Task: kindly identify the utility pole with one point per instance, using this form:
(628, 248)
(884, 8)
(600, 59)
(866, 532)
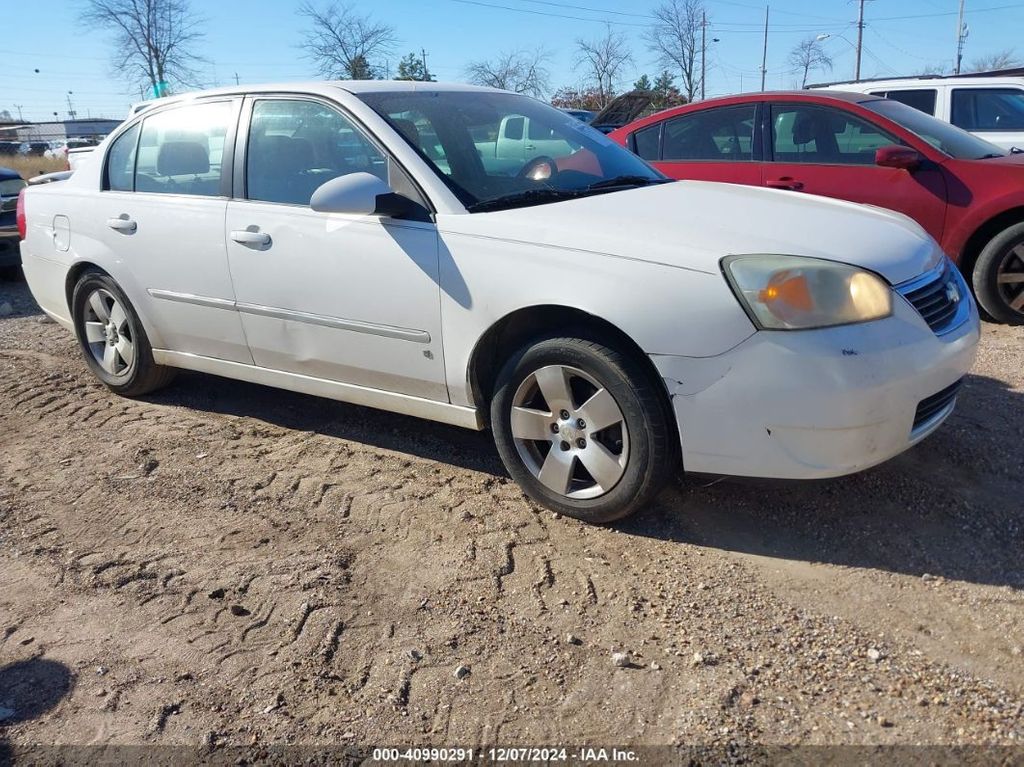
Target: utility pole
(236, 78)
(764, 54)
(703, 49)
(960, 38)
(71, 107)
(860, 39)
(18, 107)
(423, 53)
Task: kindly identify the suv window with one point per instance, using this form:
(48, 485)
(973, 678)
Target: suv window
(647, 142)
(180, 150)
(725, 134)
(295, 146)
(813, 134)
(988, 109)
(514, 128)
(121, 161)
(922, 100)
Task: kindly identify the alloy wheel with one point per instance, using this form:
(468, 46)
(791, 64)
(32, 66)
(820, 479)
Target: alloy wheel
(570, 432)
(108, 333)
(1010, 278)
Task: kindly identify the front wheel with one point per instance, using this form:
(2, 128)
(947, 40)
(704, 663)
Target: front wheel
(583, 428)
(998, 277)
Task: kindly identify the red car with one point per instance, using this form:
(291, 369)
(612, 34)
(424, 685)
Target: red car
(968, 194)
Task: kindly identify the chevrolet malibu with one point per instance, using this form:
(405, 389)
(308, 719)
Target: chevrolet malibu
(476, 257)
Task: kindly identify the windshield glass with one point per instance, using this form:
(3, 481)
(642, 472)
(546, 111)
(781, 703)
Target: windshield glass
(498, 150)
(958, 144)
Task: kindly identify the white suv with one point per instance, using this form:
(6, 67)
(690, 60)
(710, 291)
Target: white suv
(989, 106)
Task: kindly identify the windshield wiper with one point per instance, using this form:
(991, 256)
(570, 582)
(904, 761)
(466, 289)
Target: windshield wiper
(990, 155)
(522, 199)
(617, 181)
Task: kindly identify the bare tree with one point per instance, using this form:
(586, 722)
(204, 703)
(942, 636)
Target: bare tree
(999, 60)
(519, 71)
(807, 56)
(675, 39)
(603, 58)
(344, 44)
(153, 39)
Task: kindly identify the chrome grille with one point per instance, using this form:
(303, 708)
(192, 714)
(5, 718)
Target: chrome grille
(931, 406)
(939, 297)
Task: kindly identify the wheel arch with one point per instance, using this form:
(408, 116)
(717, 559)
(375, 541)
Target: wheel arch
(983, 234)
(518, 327)
(75, 274)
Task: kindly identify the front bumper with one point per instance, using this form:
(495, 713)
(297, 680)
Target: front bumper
(817, 403)
(10, 253)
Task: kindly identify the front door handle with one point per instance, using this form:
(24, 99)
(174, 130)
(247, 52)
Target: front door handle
(245, 237)
(122, 224)
(785, 182)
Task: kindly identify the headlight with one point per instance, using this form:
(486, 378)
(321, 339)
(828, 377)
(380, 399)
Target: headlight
(793, 293)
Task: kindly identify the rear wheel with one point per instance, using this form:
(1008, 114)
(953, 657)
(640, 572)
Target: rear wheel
(998, 277)
(112, 339)
(583, 428)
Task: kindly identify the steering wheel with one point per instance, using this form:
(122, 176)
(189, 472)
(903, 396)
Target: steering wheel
(540, 168)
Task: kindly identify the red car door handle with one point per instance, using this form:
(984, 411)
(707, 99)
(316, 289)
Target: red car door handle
(786, 182)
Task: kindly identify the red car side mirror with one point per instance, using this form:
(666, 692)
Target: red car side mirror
(898, 157)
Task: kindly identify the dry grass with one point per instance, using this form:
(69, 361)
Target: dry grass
(32, 166)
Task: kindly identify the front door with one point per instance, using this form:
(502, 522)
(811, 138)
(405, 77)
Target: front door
(349, 298)
(831, 152)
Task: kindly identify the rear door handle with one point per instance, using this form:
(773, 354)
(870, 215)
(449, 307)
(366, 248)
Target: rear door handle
(126, 225)
(245, 237)
(786, 182)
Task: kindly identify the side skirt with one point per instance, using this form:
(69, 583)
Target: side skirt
(456, 415)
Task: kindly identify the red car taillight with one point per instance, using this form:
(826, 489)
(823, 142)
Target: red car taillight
(20, 214)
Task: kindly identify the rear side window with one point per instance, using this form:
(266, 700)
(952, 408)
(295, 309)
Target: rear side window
(720, 135)
(824, 136)
(181, 150)
(121, 161)
(988, 109)
(922, 100)
(647, 142)
(295, 146)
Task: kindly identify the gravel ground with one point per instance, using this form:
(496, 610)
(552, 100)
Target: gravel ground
(221, 563)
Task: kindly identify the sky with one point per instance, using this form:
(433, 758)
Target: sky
(258, 40)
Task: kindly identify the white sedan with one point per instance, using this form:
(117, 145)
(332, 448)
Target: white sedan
(373, 243)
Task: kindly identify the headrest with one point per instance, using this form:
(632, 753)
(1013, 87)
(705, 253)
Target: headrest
(180, 158)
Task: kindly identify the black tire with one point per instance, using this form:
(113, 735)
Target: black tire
(142, 375)
(651, 442)
(996, 299)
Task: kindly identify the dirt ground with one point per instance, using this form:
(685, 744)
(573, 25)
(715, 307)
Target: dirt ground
(222, 563)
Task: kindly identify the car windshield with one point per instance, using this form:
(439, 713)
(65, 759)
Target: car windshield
(500, 150)
(957, 143)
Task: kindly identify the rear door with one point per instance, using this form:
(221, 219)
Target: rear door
(161, 214)
(815, 149)
(720, 144)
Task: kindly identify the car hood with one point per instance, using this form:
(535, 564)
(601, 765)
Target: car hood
(693, 224)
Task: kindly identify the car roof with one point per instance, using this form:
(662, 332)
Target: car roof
(320, 86)
(6, 174)
(1011, 73)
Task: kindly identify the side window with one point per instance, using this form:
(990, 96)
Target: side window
(988, 109)
(180, 150)
(647, 142)
(121, 161)
(514, 128)
(295, 146)
(923, 100)
(811, 134)
(722, 135)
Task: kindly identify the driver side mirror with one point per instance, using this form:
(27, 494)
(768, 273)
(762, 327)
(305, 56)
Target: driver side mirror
(359, 194)
(902, 157)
